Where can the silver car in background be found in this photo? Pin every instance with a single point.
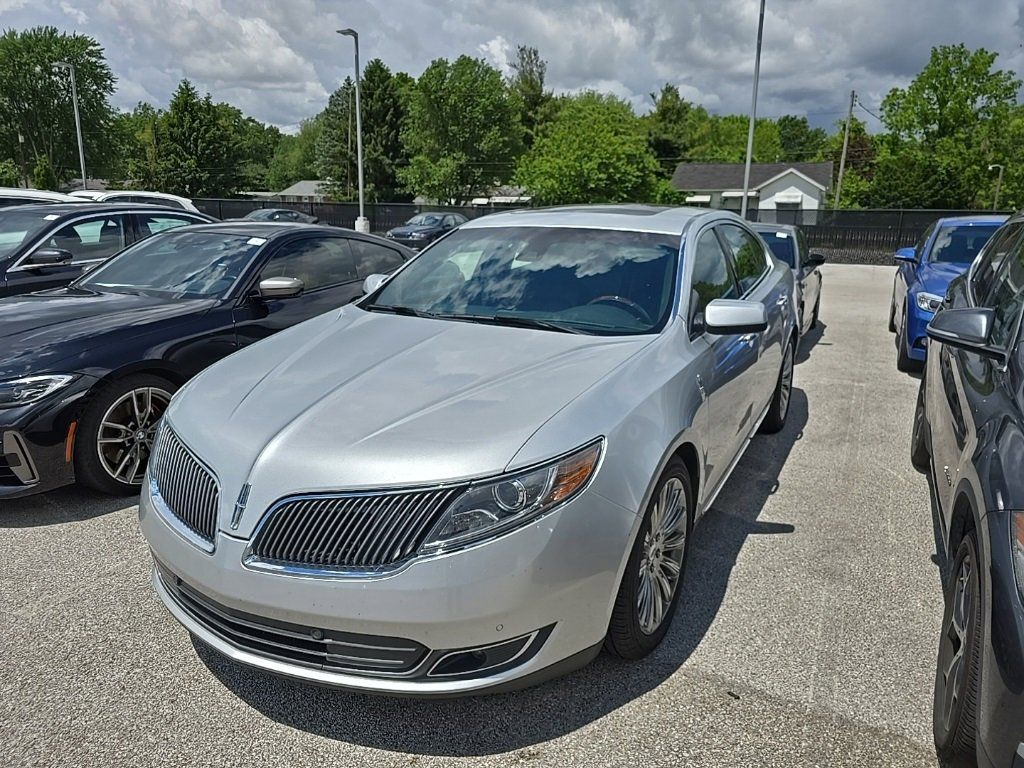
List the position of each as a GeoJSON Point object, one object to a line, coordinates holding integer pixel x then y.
{"type": "Point", "coordinates": [789, 244]}
{"type": "Point", "coordinates": [485, 470]}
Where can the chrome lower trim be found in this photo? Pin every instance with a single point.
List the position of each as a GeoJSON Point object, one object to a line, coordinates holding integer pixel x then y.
{"type": "Point", "coordinates": [530, 638]}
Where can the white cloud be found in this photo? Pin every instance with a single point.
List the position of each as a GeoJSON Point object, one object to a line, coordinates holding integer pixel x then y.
{"type": "Point", "coordinates": [77, 14]}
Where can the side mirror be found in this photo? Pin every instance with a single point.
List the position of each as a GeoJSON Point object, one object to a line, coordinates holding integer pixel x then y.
{"type": "Point", "coordinates": [727, 317]}
{"type": "Point", "coordinates": [906, 254]}
{"type": "Point", "coordinates": [373, 282]}
{"type": "Point", "coordinates": [49, 257]}
{"type": "Point", "coordinates": [281, 288]}
{"type": "Point", "coordinates": [814, 260]}
{"type": "Point", "coordinates": [967, 328]}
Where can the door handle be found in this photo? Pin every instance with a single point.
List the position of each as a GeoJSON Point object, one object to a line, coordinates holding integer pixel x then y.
{"type": "Point", "coordinates": [782, 301]}
{"type": "Point", "coordinates": [749, 339]}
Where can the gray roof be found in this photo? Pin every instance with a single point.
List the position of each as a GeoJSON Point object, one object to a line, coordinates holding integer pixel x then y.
{"type": "Point", "coordinates": [626, 217]}
{"type": "Point", "coordinates": [304, 188]}
{"type": "Point", "coordinates": [716, 177]}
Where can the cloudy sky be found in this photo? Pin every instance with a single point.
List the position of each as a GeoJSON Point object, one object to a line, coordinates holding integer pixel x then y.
{"type": "Point", "coordinates": [278, 59]}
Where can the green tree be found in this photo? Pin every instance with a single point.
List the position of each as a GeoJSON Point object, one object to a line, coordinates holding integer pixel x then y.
{"type": "Point", "coordinates": [254, 144]}
{"type": "Point", "coordinates": [723, 139]}
{"type": "Point", "coordinates": [527, 82]}
{"type": "Point", "coordinates": [675, 125]}
{"type": "Point", "coordinates": [10, 175]}
{"type": "Point", "coordinates": [295, 156]}
{"type": "Point", "coordinates": [336, 153]}
{"type": "Point", "coordinates": [800, 142]}
{"type": "Point", "coordinates": [595, 151]}
{"type": "Point", "coordinates": [43, 176]}
{"type": "Point", "coordinates": [463, 133]}
{"type": "Point", "coordinates": [197, 150]}
{"type": "Point", "coordinates": [35, 100]}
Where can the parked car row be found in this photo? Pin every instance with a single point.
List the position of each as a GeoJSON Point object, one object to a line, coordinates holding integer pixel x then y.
{"type": "Point", "coordinates": [957, 304]}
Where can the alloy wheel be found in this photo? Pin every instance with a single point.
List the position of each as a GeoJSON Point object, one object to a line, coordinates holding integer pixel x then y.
{"type": "Point", "coordinates": [127, 429]}
{"type": "Point", "coordinates": [662, 560]}
{"type": "Point", "coordinates": [953, 662]}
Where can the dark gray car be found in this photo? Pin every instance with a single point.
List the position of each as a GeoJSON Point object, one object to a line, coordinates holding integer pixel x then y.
{"type": "Point", "coordinates": [789, 244]}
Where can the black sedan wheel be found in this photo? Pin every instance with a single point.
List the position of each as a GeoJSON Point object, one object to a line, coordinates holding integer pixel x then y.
{"type": "Point", "coordinates": [115, 435]}
{"type": "Point", "coordinates": [958, 670]}
{"type": "Point", "coordinates": [920, 451]}
{"type": "Point", "coordinates": [649, 592]}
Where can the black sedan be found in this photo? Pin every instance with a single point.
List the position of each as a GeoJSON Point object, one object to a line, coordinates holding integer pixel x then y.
{"type": "Point", "coordinates": [87, 370]}
{"type": "Point", "coordinates": [969, 435]}
{"type": "Point", "coordinates": [424, 228]}
{"type": "Point", "coordinates": [280, 214]}
{"type": "Point", "coordinates": [49, 245]}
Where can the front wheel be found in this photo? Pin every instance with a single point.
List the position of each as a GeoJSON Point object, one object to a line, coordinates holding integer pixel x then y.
{"type": "Point", "coordinates": [920, 451]}
{"type": "Point", "coordinates": [775, 419]}
{"type": "Point", "coordinates": [904, 362]}
{"type": "Point", "coordinates": [115, 434]}
{"type": "Point", "coordinates": [649, 591]}
{"type": "Point", "coordinates": [958, 671]}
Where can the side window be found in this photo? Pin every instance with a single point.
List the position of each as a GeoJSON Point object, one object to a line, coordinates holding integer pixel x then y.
{"type": "Point", "coordinates": [151, 223]}
{"type": "Point", "coordinates": [317, 261]}
{"type": "Point", "coordinates": [712, 277]}
{"type": "Point", "coordinates": [1008, 297]}
{"type": "Point", "coordinates": [373, 259]}
{"type": "Point", "coordinates": [92, 239]}
{"type": "Point", "coordinates": [805, 251]}
{"type": "Point", "coordinates": [991, 260]}
{"type": "Point", "coordinates": [919, 248]}
{"type": "Point", "coordinates": [450, 222]}
{"type": "Point", "coordinates": [747, 254]}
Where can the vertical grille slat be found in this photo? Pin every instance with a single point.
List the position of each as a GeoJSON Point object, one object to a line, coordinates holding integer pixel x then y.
{"type": "Point", "coordinates": [187, 488]}
{"type": "Point", "coordinates": [350, 531]}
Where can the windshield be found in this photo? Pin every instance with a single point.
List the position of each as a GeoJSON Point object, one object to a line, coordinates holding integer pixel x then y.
{"type": "Point", "coordinates": [261, 214]}
{"type": "Point", "coordinates": [782, 246]}
{"type": "Point", "coordinates": [176, 265]}
{"type": "Point", "coordinates": [425, 220]}
{"type": "Point", "coordinates": [19, 225]}
{"type": "Point", "coordinates": [960, 244]}
{"type": "Point", "coordinates": [584, 280]}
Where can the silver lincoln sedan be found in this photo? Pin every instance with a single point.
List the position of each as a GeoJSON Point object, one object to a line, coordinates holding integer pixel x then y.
{"type": "Point", "coordinates": [485, 470]}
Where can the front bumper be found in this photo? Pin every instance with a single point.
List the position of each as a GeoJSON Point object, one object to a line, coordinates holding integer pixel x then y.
{"type": "Point", "coordinates": [408, 242]}
{"type": "Point", "coordinates": [35, 443]}
{"type": "Point", "coordinates": [917, 331]}
{"type": "Point", "coordinates": [553, 581]}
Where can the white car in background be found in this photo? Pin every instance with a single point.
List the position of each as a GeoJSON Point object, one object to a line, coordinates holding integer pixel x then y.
{"type": "Point", "coordinates": [135, 196]}
{"type": "Point", "coordinates": [17, 196]}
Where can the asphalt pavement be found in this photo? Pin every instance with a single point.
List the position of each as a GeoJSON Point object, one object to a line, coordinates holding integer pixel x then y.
{"type": "Point", "coordinates": [807, 635]}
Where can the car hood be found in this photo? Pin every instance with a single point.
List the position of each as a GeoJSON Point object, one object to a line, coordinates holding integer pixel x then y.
{"type": "Point", "coordinates": [934, 277]}
{"type": "Point", "coordinates": [408, 229]}
{"type": "Point", "coordinates": [358, 400]}
{"type": "Point", "coordinates": [38, 331]}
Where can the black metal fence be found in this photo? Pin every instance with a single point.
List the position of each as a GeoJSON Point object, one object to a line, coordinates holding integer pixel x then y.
{"type": "Point", "coordinates": [845, 236]}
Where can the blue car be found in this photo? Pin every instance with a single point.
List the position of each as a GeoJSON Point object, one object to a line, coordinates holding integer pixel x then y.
{"type": "Point", "coordinates": [945, 251]}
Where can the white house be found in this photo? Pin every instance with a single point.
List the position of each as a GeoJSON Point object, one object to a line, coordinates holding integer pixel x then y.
{"type": "Point", "coordinates": [305, 191]}
{"type": "Point", "coordinates": [794, 191]}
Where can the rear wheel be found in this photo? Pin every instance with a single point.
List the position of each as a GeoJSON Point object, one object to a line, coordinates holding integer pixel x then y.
{"type": "Point", "coordinates": [649, 591]}
{"type": "Point", "coordinates": [958, 671]}
{"type": "Point", "coordinates": [904, 362]}
{"type": "Point", "coordinates": [775, 419]}
{"type": "Point", "coordinates": [115, 434]}
{"type": "Point", "coordinates": [920, 451]}
{"type": "Point", "coordinates": [892, 316]}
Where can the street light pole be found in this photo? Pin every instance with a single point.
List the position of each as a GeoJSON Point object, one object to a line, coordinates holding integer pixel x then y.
{"type": "Point", "coordinates": [753, 115]}
{"type": "Point", "coordinates": [362, 223]}
{"type": "Point", "coordinates": [999, 185]}
{"type": "Point", "coordinates": [78, 120]}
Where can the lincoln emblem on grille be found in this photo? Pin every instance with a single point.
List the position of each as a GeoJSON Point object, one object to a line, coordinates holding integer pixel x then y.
{"type": "Point", "coordinates": [243, 497]}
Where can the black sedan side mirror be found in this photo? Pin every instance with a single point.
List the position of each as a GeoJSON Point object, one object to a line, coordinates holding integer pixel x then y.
{"type": "Point", "coordinates": [814, 260]}
{"type": "Point", "coordinates": [280, 288]}
{"type": "Point", "coordinates": [968, 329]}
{"type": "Point", "coordinates": [49, 257]}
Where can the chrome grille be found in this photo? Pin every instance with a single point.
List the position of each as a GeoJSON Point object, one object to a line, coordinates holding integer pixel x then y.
{"type": "Point", "coordinates": [187, 488]}
{"type": "Point", "coordinates": [364, 531]}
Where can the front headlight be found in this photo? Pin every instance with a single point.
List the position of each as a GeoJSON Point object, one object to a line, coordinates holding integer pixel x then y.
{"type": "Point", "coordinates": [1017, 547]}
{"type": "Point", "coordinates": [929, 302]}
{"type": "Point", "coordinates": [490, 508]}
{"type": "Point", "coordinates": [31, 389]}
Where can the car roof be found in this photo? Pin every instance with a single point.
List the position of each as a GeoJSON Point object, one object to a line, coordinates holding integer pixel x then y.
{"type": "Point", "coordinates": [969, 220]}
{"type": "Point", "coordinates": [35, 194]}
{"type": "Point", "coordinates": [627, 218]}
{"type": "Point", "coordinates": [270, 229]}
{"type": "Point", "coordinates": [83, 205]}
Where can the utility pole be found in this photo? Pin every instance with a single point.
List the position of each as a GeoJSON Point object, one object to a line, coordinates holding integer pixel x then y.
{"type": "Point", "coordinates": [78, 121]}
{"type": "Point", "coordinates": [999, 185]}
{"type": "Point", "coordinates": [753, 115]}
{"type": "Point", "coordinates": [362, 223]}
{"type": "Point", "coordinates": [21, 157]}
{"type": "Point", "coordinates": [846, 146]}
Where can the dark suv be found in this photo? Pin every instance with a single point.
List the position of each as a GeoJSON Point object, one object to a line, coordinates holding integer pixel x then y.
{"type": "Point", "coordinates": [969, 435]}
{"type": "Point", "coordinates": [48, 246]}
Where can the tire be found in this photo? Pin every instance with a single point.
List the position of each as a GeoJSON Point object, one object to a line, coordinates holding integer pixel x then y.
{"type": "Point", "coordinates": [904, 362]}
{"type": "Point", "coordinates": [775, 419]}
{"type": "Point", "coordinates": [814, 315]}
{"type": "Point", "coordinates": [920, 450]}
{"type": "Point", "coordinates": [955, 709]}
{"type": "Point", "coordinates": [892, 316]}
{"type": "Point", "coordinates": [126, 445]}
{"type": "Point", "coordinates": [637, 627]}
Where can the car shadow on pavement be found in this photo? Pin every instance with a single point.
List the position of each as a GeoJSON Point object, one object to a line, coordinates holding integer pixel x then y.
{"type": "Point", "coordinates": [810, 342]}
{"type": "Point", "coordinates": [71, 504]}
{"type": "Point", "coordinates": [487, 725]}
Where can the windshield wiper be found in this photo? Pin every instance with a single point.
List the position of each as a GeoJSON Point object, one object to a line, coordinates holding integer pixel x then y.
{"type": "Point", "coordinates": [515, 321]}
{"type": "Point", "coordinates": [397, 310]}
